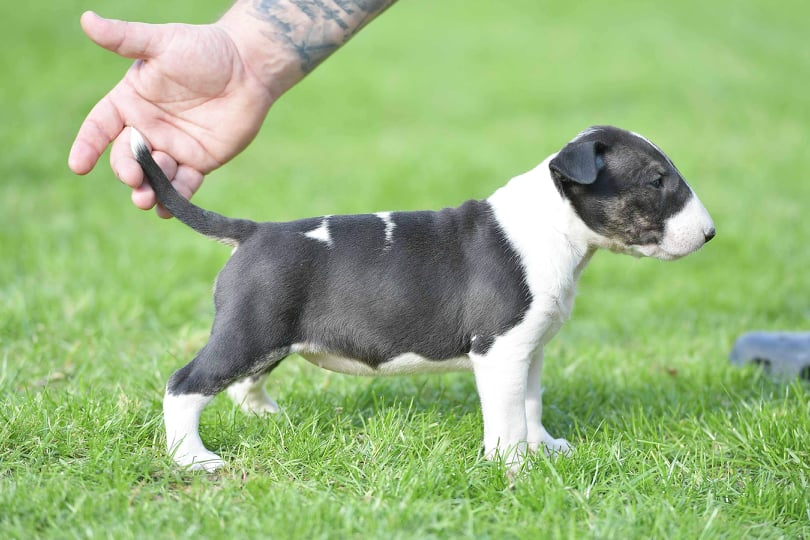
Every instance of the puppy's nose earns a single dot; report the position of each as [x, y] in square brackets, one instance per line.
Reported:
[709, 234]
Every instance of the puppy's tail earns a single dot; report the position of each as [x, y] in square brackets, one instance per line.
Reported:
[223, 229]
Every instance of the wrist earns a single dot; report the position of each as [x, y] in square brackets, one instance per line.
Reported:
[283, 40]
[274, 63]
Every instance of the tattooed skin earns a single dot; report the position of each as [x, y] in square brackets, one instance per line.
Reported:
[314, 29]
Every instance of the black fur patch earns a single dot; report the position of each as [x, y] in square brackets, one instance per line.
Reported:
[635, 190]
[448, 283]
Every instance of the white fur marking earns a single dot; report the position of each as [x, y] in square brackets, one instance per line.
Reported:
[551, 241]
[554, 246]
[404, 364]
[136, 141]
[181, 415]
[389, 227]
[321, 233]
[686, 231]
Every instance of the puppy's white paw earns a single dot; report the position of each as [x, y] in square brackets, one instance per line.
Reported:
[557, 447]
[199, 461]
[551, 447]
[512, 457]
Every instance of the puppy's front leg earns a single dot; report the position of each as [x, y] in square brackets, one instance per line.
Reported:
[501, 382]
[538, 437]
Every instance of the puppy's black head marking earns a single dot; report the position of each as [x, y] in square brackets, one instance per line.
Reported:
[620, 184]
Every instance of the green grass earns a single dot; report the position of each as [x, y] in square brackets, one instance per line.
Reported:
[434, 103]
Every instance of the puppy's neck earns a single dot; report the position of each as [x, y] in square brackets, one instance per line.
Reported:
[543, 226]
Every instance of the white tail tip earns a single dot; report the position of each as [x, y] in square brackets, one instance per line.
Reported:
[136, 141]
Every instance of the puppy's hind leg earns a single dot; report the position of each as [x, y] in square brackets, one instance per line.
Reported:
[181, 416]
[192, 387]
[250, 395]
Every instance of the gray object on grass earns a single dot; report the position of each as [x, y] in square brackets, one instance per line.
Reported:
[779, 353]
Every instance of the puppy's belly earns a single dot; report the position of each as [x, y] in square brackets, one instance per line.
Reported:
[404, 364]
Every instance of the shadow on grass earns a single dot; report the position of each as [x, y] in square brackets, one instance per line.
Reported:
[659, 409]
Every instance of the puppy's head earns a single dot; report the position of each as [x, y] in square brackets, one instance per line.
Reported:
[628, 192]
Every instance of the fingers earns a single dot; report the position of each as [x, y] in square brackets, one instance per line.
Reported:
[124, 165]
[129, 39]
[102, 125]
[129, 171]
[184, 179]
[104, 122]
[143, 196]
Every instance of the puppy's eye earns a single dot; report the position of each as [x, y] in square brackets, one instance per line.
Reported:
[657, 182]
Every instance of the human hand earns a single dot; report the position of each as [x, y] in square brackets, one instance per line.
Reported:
[190, 92]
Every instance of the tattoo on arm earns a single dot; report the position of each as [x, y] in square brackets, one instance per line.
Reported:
[314, 29]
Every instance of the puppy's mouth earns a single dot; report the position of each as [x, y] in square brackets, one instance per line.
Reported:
[655, 251]
[642, 250]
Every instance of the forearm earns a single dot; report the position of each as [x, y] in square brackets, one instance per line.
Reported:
[283, 40]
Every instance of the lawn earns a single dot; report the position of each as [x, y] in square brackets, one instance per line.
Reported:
[435, 103]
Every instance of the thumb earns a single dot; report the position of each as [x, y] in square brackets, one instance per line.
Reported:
[128, 39]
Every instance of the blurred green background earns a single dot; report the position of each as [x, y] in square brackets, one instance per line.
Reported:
[434, 103]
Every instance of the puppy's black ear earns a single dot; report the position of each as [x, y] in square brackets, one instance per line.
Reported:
[579, 161]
